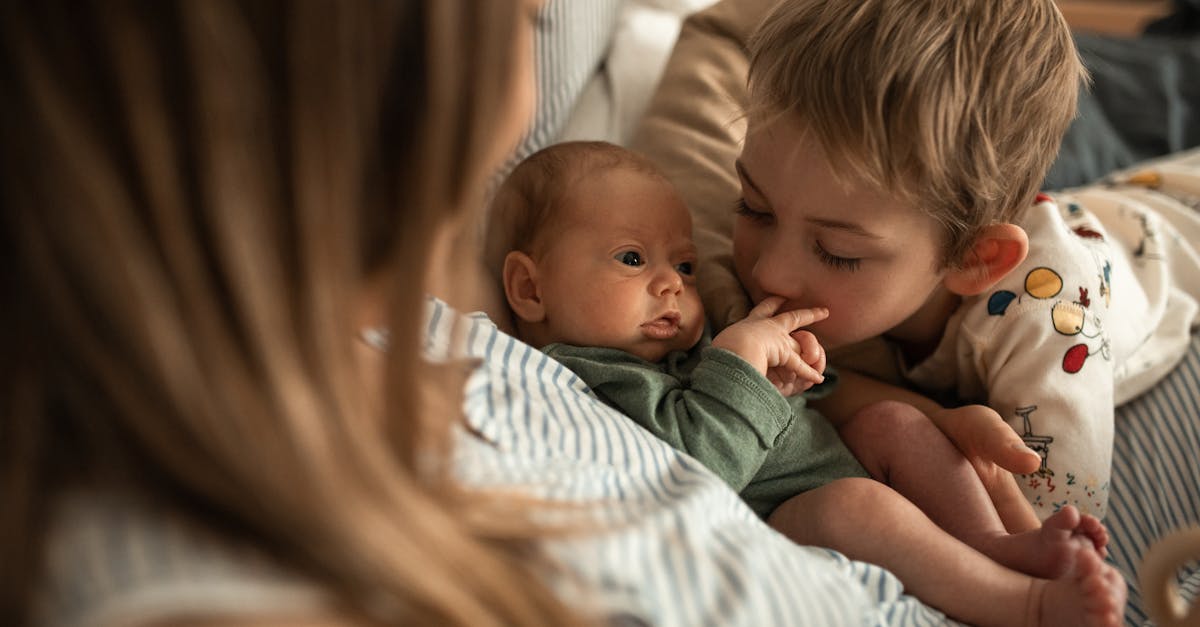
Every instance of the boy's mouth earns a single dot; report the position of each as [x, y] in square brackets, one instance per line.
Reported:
[663, 327]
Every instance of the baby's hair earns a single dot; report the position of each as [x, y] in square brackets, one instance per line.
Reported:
[956, 106]
[533, 196]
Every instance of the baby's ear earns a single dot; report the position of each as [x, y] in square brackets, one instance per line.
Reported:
[521, 288]
[998, 250]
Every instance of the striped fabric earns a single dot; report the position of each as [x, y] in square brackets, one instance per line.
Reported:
[1156, 475]
[685, 551]
[114, 560]
[679, 547]
[570, 43]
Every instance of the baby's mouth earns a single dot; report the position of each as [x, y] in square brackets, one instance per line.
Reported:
[663, 327]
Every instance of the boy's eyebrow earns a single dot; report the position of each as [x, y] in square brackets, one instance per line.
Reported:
[849, 227]
[745, 176]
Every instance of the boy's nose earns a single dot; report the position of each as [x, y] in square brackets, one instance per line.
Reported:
[779, 273]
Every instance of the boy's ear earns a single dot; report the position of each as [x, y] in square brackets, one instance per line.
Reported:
[998, 250]
[521, 288]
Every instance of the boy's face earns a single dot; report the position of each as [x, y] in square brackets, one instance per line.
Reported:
[871, 260]
[619, 268]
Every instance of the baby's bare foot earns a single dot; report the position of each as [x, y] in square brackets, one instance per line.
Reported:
[1091, 528]
[1048, 552]
[1093, 595]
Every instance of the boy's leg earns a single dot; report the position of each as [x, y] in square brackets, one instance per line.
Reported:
[900, 446]
[869, 521]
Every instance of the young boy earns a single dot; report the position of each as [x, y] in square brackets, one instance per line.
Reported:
[593, 249]
[890, 174]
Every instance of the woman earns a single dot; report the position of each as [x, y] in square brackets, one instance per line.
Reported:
[201, 200]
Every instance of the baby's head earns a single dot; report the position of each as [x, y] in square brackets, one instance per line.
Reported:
[951, 110]
[593, 247]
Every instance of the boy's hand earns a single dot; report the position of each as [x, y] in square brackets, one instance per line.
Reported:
[980, 432]
[996, 451]
[772, 342]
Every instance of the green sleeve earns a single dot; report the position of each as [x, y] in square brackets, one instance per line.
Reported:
[722, 412]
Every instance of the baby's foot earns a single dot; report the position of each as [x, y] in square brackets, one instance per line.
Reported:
[1091, 528]
[1093, 595]
[1049, 552]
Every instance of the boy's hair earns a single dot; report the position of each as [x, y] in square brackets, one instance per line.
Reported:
[957, 106]
[531, 198]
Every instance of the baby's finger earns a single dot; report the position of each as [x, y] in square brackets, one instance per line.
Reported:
[802, 370]
[796, 318]
[810, 349]
[766, 308]
[774, 375]
[785, 380]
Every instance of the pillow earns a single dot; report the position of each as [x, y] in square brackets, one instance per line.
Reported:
[615, 98]
[571, 41]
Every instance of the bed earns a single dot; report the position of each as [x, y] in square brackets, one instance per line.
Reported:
[601, 76]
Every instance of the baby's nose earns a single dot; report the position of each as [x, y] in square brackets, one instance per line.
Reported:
[666, 282]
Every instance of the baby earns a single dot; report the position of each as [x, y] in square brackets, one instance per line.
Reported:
[593, 249]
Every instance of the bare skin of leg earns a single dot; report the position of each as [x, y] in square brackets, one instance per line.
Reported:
[1015, 511]
[868, 521]
[991, 446]
[901, 447]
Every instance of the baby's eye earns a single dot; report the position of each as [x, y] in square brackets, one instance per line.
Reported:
[685, 268]
[630, 258]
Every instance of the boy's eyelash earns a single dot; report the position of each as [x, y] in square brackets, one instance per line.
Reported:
[847, 264]
[742, 209]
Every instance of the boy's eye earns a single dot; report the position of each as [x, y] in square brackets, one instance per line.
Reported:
[685, 268]
[753, 215]
[630, 258]
[848, 264]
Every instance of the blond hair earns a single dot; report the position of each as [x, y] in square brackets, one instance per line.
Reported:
[957, 106]
[195, 194]
[535, 193]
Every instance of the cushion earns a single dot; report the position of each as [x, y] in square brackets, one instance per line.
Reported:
[571, 41]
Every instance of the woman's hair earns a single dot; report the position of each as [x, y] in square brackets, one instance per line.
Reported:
[195, 196]
[957, 106]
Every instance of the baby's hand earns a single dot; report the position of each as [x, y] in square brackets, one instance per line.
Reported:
[791, 359]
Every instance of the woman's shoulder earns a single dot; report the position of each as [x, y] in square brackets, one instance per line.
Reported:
[112, 559]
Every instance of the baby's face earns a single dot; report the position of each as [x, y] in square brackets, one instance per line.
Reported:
[619, 270]
[871, 260]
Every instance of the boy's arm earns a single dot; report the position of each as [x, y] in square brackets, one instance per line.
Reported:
[1055, 389]
[726, 415]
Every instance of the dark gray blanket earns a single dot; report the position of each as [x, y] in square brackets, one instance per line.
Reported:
[1144, 101]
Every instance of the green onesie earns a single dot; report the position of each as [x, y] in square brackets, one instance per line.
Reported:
[712, 405]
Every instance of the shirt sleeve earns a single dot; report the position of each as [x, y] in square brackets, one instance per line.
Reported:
[724, 414]
[1048, 370]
